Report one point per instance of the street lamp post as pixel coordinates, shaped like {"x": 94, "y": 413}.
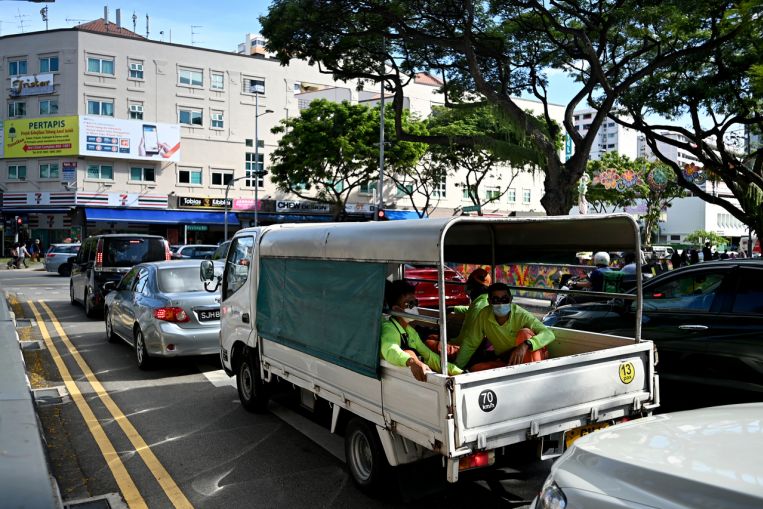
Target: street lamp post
{"x": 225, "y": 202}
{"x": 258, "y": 173}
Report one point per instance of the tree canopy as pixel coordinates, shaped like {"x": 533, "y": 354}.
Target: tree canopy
{"x": 332, "y": 148}
{"x": 679, "y": 59}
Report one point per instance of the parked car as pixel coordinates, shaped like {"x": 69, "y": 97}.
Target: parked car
{"x": 221, "y": 252}
{"x": 703, "y": 459}
{"x": 105, "y": 258}
{"x": 706, "y": 321}
{"x": 192, "y": 251}
{"x": 163, "y": 310}
{"x": 427, "y": 292}
{"x": 57, "y": 258}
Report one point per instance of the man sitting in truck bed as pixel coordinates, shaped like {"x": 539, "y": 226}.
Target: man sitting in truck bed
{"x": 515, "y": 335}
{"x": 400, "y": 343}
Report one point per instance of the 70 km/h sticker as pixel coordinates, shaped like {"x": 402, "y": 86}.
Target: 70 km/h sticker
{"x": 627, "y": 372}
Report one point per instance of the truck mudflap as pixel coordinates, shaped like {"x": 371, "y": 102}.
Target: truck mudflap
{"x": 508, "y": 405}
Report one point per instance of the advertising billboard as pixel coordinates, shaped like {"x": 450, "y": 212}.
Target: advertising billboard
{"x": 129, "y": 139}
{"x": 41, "y": 137}
{"x": 22, "y": 86}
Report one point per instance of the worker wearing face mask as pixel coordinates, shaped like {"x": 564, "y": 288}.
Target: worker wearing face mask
{"x": 400, "y": 343}
{"x": 513, "y": 334}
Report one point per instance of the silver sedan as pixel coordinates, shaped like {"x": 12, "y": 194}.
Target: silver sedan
{"x": 57, "y": 258}
{"x": 163, "y": 310}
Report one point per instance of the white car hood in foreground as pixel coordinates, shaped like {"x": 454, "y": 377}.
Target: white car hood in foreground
{"x": 709, "y": 458}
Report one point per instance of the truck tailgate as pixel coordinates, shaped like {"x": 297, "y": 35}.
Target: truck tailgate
{"x": 507, "y": 405}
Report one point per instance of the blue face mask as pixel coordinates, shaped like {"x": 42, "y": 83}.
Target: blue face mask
{"x": 501, "y": 309}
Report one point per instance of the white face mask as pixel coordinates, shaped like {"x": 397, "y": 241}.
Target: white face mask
{"x": 501, "y": 309}
{"x": 412, "y": 311}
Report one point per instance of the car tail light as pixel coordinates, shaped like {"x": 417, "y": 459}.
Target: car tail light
{"x": 167, "y": 252}
{"x": 99, "y": 256}
{"x": 51, "y": 255}
{"x": 477, "y": 460}
{"x": 175, "y": 315}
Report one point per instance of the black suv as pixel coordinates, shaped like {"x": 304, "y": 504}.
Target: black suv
{"x": 105, "y": 258}
{"x": 707, "y": 323}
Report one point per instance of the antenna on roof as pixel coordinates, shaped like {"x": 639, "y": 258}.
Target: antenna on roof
{"x": 194, "y": 32}
{"x": 21, "y": 17}
{"x": 134, "y": 21}
{"x": 146, "y": 26}
{"x": 77, "y": 21}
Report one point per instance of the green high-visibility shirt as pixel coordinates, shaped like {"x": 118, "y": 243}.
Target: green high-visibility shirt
{"x": 471, "y": 316}
{"x": 502, "y": 337}
{"x": 391, "y": 350}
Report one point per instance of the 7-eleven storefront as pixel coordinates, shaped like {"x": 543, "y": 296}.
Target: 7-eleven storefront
{"x": 44, "y": 215}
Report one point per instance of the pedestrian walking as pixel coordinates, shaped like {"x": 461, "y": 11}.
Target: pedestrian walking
{"x": 22, "y": 257}
{"x": 694, "y": 257}
{"x": 33, "y": 250}
{"x": 707, "y": 252}
{"x": 675, "y": 260}
{"x": 14, "y": 257}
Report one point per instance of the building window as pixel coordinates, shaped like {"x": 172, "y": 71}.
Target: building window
{"x": 526, "y": 195}
{"x": 190, "y": 117}
{"x": 16, "y": 172}
{"x": 136, "y": 111}
{"x": 17, "y": 67}
{"x": 512, "y": 194}
{"x": 48, "y": 170}
{"x": 217, "y": 119}
{"x": 253, "y": 86}
{"x": 403, "y": 190}
{"x": 221, "y": 177}
{"x": 492, "y": 193}
{"x": 191, "y": 77}
{"x": 440, "y": 189}
{"x": 101, "y": 107}
{"x": 468, "y": 192}
{"x": 217, "y": 81}
{"x": 98, "y": 65}
{"x": 191, "y": 176}
{"x": 252, "y": 169}
{"x": 48, "y": 64}
{"x": 142, "y": 175}
{"x": 136, "y": 70}
{"x": 16, "y": 109}
{"x": 587, "y": 115}
{"x": 365, "y": 187}
{"x": 48, "y": 106}
{"x": 100, "y": 171}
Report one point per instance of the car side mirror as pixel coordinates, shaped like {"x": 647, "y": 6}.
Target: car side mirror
{"x": 109, "y": 286}
{"x": 207, "y": 270}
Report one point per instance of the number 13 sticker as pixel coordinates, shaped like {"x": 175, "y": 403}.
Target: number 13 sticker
{"x": 627, "y": 372}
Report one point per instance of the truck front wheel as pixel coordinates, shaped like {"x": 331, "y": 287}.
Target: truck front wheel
{"x": 251, "y": 388}
{"x": 365, "y": 455}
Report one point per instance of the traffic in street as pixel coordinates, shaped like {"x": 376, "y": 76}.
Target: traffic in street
{"x": 177, "y": 436}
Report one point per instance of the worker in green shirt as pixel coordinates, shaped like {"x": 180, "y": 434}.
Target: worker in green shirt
{"x": 400, "y": 343}
{"x": 514, "y": 334}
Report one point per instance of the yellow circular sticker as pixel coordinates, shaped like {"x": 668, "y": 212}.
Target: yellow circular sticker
{"x": 627, "y": 372}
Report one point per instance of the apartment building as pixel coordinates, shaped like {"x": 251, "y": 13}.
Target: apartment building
{"x": 611, "y": 136}
{"x": 107, "y": 131}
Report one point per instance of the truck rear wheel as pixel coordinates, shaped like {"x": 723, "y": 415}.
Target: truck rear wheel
{"x": 365, "y": 455}
{"x": 251, "y": 388}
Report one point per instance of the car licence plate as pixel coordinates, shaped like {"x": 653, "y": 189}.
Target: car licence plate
{"x": 573, "y": 434}
{"x": 209, "y": 315}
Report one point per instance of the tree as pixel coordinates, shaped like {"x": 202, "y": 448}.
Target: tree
{"x": 699, "y": 238}
{"x": 421, "y": 184}
{"x": 631, "y": 56}
{"x": 620, "y": 182}
{"x": 491, "y": 158}
{"x": 331, "y": 149}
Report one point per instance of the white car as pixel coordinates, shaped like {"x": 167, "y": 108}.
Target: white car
{"x": 699, "y": 459}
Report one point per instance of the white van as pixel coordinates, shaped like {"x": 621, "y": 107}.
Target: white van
{"x": 304, "y": 303}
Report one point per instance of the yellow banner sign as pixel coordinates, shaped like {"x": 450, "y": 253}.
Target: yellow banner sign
{"x": 41, "y": 137}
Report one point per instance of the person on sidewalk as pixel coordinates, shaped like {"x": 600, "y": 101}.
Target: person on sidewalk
{"x": 513, "y": 334}
{"x": 13, "y": 261}
{"x": 23, "y": 254}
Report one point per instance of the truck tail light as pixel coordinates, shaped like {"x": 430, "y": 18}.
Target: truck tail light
{"x": 477, "y": 460}
{"x": 174, "y": 315}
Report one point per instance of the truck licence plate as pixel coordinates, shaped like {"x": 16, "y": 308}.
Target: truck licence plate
{"x": 208, "y": 316}
{"x": 573, "y": 434}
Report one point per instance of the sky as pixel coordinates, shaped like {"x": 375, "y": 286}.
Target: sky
{"x": 221, "y": 24}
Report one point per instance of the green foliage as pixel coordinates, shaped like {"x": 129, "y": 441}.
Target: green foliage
{"x": 699, "y": 238}
{"x": 333, "y": 148}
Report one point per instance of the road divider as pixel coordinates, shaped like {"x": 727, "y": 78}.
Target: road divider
{"x": 167, "y": 483}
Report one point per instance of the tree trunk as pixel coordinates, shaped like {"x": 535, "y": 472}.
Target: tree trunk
{"x": 558, "y": 182}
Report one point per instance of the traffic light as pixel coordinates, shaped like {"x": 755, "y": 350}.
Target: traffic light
{"x": 19, "y": 223}
{"x": 381, "y": 215}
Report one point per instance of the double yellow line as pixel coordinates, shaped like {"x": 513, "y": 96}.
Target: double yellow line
{"x": 126, "y": 484}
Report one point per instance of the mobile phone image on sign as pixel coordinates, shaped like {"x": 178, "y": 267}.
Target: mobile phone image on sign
{"x": 150, "y": 139}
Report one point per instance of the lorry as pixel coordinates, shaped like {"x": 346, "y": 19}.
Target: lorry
{"x": 302, "y": 306}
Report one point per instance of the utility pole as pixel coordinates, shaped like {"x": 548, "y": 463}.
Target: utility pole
{"x": 380, "y": 186}
{"x": 44, "y": 14}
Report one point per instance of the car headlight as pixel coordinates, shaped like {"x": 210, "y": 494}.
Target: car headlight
{"x": 551, "y": 496}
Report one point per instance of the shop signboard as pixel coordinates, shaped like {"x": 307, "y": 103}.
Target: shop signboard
{"x": 303, "y": 207}
{"x": 129, "y": 139}
{"x": 38, "y": 84}
{"x": 194, "y": 202}
{"x": 69, "y": 172}
{"x": 41, "y": 137}
{"x": 246, "y": 204}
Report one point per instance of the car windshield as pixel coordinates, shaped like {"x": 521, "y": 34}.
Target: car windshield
{"x": 128, "y": 252}
{"x": 179, "y": 279}
{"x": 65, "y": 249}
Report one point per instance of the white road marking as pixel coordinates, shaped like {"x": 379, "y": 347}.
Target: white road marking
{"x": 219, "y": 378}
